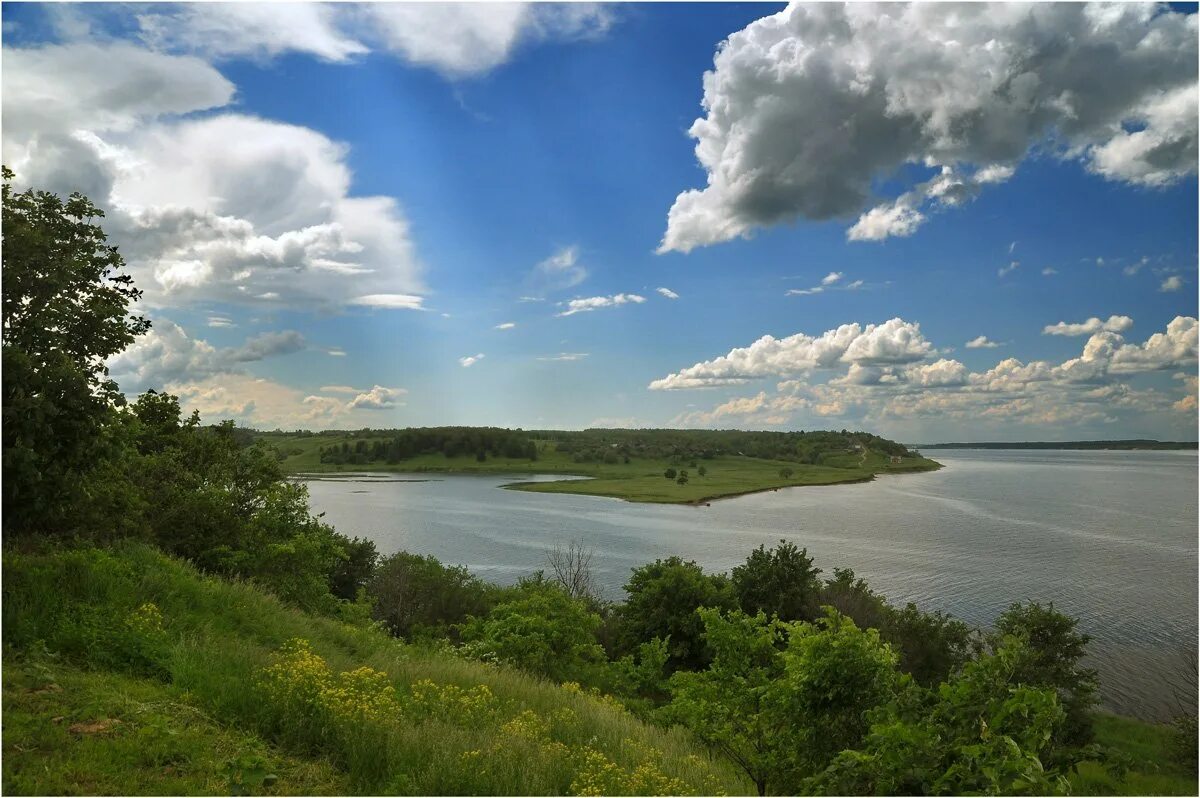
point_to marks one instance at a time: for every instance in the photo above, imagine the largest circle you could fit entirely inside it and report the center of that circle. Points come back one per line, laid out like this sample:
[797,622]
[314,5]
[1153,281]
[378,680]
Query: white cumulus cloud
[807,109]
[222,207]
[892,343]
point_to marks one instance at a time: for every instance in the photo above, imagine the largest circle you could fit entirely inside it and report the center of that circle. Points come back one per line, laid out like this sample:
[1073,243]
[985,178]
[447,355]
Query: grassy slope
[640,480]
[181,725]
[1152,771]
[179,730]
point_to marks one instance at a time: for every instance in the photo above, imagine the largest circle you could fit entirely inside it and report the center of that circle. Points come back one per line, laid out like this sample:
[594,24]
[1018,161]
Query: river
[1109,536]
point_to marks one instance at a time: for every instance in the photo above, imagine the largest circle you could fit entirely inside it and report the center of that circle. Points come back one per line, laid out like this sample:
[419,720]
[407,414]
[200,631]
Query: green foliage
[540,629]
[853,598]
[728,705]
[982,733]
[248,775]
[352,573]
[65,301]
[417,596]
[670,473]
[1054,653]
[932,645]
[662,599]
[780,582]
[782,699]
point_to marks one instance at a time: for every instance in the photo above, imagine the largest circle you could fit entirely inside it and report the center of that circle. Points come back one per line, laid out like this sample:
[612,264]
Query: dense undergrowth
[178,682]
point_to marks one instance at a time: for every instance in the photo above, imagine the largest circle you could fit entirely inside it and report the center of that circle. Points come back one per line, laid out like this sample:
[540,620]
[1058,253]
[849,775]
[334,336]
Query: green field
[640,480]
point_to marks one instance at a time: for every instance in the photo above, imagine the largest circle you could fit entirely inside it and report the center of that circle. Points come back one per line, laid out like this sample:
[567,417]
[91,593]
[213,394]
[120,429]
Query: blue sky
[332,211]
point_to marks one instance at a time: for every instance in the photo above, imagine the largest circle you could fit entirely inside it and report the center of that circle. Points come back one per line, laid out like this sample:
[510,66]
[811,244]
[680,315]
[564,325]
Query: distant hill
[1126,444]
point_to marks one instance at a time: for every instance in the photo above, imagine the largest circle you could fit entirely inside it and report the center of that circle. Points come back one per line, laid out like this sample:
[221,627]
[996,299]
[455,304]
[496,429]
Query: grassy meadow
[640,480]
[128,672]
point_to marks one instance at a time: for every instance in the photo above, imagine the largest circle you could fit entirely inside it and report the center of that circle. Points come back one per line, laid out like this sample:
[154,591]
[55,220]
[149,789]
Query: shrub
[417,596]
[543,630]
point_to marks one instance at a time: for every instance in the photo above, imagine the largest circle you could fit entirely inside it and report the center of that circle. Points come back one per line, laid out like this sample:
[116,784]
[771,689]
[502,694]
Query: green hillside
[128,672]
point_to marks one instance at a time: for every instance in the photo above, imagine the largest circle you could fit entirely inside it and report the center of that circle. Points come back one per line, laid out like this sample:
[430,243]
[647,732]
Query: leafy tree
[782,699]
[645,674]
[416,595]
[852,597]
[663,597]
[683,480]
[834,673]
[65,310]
[932,645]
[728,705]
[982,733]
[1054,653]
[670,473]
[354,571]
[542,630]
[786,473]
[702,471]
[781,581]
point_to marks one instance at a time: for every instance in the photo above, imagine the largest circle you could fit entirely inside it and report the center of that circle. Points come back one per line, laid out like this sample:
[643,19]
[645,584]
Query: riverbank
[643,480]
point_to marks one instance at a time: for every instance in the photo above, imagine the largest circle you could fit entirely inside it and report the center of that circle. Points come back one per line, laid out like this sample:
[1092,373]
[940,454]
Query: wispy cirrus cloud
[591,303]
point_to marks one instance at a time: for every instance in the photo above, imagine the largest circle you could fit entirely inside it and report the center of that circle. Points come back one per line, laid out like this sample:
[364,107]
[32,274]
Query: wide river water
[1109,537]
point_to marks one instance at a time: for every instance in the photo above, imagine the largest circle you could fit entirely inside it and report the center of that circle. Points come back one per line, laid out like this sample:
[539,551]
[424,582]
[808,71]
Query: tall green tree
[66,299]
[781,581]
[1053,659]
[663,597]
[781,700]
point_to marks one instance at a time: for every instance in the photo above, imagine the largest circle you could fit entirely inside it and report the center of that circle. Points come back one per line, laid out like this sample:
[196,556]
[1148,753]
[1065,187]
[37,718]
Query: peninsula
[647,465]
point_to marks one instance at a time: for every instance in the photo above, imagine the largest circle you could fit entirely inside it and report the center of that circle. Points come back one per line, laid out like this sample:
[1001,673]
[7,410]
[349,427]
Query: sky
[932,222]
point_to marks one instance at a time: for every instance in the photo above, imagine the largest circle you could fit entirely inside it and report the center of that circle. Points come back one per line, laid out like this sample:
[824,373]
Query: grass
[59,739]
[1152,770]
[187,684]
[640,480]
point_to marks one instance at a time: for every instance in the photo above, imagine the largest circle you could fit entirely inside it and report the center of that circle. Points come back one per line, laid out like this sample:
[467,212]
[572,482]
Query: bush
[1052,659]
[417,596]
[780,582]
[543,630]
[663,597]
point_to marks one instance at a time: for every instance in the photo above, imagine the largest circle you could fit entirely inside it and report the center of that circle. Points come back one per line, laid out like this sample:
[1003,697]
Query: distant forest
[1129,444]
[595,445]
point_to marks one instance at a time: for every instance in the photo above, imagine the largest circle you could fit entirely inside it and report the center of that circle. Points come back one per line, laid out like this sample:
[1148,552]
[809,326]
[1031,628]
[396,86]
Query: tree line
[398,446]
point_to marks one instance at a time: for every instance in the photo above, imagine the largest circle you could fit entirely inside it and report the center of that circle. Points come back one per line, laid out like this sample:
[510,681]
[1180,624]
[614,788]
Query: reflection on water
[1109,537]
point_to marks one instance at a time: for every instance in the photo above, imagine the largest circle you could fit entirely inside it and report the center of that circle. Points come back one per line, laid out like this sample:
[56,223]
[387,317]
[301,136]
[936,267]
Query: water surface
[1109,537]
